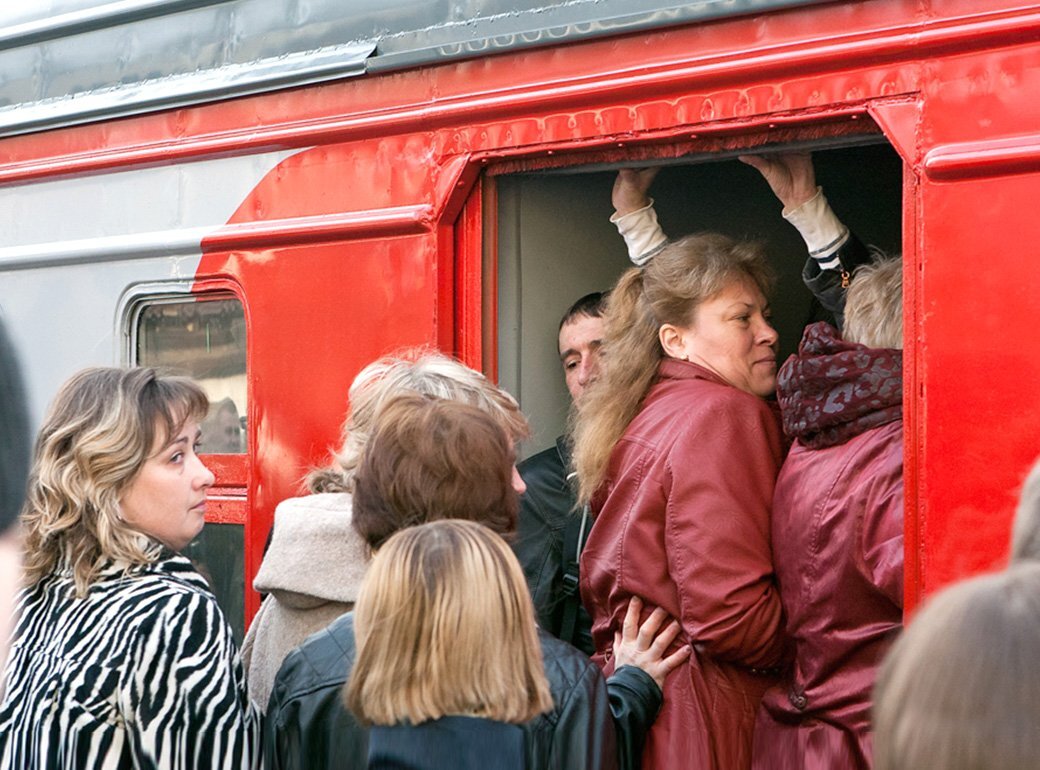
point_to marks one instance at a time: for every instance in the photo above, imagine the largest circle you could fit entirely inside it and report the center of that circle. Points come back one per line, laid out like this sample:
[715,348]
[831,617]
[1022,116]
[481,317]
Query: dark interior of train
[555,243]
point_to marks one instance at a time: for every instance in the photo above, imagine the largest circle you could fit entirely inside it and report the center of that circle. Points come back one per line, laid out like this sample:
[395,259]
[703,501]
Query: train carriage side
[285,239]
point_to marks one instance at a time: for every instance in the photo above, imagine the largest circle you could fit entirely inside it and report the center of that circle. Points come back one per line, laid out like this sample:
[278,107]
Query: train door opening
[555,243]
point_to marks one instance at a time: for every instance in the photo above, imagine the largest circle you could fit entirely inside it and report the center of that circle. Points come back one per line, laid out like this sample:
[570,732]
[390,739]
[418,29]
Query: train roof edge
[78,61]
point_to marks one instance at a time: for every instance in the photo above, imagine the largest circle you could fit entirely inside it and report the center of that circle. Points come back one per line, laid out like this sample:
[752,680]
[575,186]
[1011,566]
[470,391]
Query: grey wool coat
[312,572]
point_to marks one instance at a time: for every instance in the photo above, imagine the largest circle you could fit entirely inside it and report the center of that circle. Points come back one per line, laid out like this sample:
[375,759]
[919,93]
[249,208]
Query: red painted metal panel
[469,281]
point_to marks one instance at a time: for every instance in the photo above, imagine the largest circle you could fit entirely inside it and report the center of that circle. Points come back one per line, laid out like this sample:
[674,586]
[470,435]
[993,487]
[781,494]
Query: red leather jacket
[838,550]
[682,520]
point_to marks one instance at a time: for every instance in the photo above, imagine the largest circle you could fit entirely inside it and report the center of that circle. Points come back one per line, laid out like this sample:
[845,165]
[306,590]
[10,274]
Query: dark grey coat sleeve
[635,700]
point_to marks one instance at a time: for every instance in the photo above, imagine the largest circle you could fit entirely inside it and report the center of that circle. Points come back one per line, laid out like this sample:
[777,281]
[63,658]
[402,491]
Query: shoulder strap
[573,542]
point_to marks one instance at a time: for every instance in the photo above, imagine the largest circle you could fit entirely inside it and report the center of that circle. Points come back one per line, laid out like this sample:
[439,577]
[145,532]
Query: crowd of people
[694,575]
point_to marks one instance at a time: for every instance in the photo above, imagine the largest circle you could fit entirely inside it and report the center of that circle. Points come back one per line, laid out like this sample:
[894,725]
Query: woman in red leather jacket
[677,453]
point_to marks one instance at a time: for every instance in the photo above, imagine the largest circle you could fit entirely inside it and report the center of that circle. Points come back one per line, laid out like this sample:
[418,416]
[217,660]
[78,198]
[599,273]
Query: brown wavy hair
[665,291]
[433,459]
[99,431]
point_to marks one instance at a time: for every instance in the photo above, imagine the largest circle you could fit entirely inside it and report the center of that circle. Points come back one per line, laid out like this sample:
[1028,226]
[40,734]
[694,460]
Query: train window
[555,244]
[203,337]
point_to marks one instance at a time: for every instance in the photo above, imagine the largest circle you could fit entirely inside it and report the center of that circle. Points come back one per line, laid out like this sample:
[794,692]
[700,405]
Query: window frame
[227,499]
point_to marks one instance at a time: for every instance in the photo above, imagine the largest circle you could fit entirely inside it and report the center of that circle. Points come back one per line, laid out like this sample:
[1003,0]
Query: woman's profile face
[731,335]
[167,500]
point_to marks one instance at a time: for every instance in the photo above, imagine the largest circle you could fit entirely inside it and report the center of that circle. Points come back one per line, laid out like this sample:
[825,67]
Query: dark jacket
[837,535]
[682,520]
[548,510]
[308,728]
[829,287]
[451,743]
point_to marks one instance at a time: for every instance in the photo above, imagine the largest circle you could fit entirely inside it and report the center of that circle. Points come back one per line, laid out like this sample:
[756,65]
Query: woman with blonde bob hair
[677,453]
[121,656]
[958,690]
[448,661]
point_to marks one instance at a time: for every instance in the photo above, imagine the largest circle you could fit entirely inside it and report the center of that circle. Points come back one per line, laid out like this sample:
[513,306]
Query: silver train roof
[64,62]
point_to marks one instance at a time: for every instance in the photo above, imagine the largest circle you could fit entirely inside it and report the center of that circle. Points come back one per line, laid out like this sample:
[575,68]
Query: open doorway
[555,243]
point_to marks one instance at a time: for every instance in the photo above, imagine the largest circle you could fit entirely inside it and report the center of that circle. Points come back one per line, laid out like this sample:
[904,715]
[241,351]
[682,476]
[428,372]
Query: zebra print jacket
[141,673]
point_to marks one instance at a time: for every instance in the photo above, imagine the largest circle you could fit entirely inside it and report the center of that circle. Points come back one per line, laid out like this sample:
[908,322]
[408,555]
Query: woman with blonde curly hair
[448,662]
[121,656]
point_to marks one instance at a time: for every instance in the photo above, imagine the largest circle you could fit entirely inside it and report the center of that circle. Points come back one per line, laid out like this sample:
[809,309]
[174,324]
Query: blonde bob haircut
[667,290]
[420,371]
[101,428]
[874,305]
[959,690]
[445,626]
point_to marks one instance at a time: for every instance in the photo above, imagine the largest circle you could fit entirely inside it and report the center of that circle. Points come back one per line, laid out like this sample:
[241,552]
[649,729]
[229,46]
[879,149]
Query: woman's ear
[673,341]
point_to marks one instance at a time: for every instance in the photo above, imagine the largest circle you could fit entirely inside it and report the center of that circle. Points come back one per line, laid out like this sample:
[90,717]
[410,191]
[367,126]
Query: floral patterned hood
[832,390]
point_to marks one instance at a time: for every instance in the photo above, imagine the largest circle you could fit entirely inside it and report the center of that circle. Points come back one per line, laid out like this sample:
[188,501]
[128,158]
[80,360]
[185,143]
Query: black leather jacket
[547,509]
[308,728]
[829,286]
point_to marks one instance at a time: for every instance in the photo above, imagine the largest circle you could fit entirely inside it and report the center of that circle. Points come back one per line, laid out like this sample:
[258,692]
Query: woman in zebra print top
[121,657]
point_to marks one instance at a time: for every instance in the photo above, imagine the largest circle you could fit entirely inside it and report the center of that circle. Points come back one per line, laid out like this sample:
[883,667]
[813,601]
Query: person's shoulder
[334,502]
[171,578]
[323,661]
[546,462]
[565,666]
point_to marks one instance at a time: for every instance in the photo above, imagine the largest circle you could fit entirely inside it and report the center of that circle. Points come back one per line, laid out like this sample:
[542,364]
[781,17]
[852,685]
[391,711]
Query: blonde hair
[445,626]
[419,371]
[874,304]
[666,291]
[1025,533]
[102,427]
[959,689]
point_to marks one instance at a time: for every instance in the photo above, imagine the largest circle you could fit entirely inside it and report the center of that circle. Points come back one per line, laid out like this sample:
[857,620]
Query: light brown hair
[419,371]
[874,304]
[445,626]
[959,690]
[101,428]
[431,459]
[666,291]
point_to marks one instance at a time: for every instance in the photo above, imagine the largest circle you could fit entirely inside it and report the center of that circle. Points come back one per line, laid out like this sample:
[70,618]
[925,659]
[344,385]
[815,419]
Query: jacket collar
[675,369]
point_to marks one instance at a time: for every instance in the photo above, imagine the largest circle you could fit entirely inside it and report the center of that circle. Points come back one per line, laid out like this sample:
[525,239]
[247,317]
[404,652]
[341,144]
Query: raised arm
[833,251]
[634,213]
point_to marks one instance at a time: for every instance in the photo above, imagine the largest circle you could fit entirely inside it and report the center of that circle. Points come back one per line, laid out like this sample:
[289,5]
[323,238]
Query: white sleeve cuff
[820,228]
[643,235]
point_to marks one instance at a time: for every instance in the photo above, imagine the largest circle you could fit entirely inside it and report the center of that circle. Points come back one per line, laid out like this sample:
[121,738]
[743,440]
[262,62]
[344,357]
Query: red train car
[271,195]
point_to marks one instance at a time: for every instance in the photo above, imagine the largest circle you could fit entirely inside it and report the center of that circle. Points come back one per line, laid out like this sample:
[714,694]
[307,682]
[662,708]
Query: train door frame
[894,119]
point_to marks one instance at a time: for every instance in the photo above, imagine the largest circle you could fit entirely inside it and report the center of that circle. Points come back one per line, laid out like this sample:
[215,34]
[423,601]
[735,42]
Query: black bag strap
[573,541]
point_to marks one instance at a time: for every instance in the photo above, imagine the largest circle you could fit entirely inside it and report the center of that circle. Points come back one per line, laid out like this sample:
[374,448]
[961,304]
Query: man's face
[580,341]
